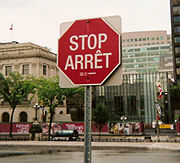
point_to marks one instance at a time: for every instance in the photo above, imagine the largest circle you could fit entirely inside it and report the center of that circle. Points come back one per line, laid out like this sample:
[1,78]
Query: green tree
[15,89]
[51,94]
[100,116]
[75,99]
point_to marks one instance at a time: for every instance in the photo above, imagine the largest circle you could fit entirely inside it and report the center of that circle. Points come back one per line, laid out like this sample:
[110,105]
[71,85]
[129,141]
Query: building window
[5,117]
[118,104]
[177,50]
[23,117]
[177,60]
[157,38]
[176,10]
[44,70]
[177,39]
[177,29]
[161,37]
[176,19]
[25,69]
[8,70]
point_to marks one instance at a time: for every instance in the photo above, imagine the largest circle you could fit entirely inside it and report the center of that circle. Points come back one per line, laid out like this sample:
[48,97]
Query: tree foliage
[51,94]
[49,91]
[15,89]
[75,99]
[100,116]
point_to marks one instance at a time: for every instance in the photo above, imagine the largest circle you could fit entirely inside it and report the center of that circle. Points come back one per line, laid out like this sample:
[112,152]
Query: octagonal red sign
[89,51]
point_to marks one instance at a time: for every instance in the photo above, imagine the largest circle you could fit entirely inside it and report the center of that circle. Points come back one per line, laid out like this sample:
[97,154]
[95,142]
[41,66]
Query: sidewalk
[45,146]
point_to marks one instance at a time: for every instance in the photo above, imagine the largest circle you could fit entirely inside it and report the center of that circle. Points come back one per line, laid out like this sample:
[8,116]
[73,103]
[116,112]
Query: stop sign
[88,52]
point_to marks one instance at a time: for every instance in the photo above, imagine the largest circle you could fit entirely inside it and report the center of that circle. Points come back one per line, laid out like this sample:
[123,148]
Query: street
[98,156]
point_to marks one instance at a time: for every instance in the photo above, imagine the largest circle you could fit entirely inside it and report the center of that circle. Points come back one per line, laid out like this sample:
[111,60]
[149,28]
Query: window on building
[177,39]
[153,48]
[168,59]
[177,29]
[137,50]
[44,70]
[144,39]
[130,50]
[140,54]
[131,39]
[161,37]
[8,70]
[157,38]
[141,60]
[176,19]
[131,105]
[23,117]
[45,116]
[177,60]
[5,117]
[118,103]
[176,10]
[25,69]
[153,59]
[177,50]
[165,47]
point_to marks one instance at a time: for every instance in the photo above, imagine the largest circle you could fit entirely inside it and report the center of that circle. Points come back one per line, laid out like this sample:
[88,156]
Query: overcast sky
[38,21]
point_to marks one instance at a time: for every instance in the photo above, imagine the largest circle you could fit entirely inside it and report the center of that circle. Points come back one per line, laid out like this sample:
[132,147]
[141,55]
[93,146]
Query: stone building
[28,58]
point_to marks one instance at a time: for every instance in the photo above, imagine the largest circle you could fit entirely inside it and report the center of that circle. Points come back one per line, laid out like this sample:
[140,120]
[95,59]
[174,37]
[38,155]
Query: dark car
[67,134]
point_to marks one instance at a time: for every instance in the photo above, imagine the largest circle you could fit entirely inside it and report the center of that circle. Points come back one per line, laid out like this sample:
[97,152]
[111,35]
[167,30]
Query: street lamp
[123,119]
[36,107]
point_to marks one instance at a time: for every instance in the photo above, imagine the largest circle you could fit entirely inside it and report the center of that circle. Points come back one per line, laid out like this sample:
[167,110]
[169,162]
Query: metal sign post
[87,125]
[86,57]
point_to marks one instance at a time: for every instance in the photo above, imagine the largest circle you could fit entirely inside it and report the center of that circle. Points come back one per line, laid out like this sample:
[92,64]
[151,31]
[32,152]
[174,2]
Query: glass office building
[146,58]
[147,51]
[136,97]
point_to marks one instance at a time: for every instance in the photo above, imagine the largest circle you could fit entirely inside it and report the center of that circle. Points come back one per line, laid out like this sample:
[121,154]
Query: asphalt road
[106,156]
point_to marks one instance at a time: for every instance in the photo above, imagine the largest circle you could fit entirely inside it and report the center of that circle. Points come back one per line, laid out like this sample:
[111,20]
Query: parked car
[66,134]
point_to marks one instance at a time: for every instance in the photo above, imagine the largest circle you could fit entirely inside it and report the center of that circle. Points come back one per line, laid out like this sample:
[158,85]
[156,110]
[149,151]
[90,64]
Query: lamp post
[123,119]
[36,107]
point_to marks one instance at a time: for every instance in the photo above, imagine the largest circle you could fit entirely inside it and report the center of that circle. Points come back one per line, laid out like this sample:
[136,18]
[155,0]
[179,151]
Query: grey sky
[38,21]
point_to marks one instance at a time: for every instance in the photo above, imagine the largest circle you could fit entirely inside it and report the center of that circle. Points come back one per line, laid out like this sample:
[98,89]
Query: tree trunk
[50,124]
[11,122]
